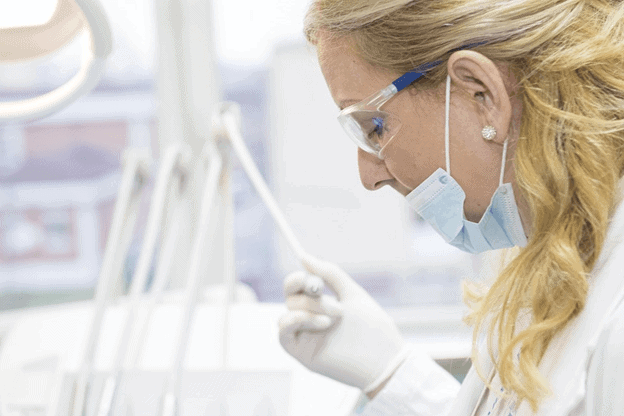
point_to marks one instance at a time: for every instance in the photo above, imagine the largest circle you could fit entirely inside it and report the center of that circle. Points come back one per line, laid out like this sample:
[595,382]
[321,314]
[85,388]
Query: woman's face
[418,148]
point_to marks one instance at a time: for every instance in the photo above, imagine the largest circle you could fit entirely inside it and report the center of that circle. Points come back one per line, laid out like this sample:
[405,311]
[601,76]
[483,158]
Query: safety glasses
[373,129]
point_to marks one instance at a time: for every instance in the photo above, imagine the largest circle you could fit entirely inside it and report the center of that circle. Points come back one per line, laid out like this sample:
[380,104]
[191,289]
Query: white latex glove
[350,339]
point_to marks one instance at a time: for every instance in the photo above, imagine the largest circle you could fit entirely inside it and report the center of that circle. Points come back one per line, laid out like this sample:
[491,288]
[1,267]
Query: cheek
[414,157]
[418,149]
[408,166]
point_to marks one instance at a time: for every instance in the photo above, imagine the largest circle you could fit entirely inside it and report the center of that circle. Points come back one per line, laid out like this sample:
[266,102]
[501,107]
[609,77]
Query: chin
[474,217]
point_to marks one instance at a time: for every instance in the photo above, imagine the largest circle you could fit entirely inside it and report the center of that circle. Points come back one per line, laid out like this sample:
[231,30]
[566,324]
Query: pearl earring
[488,132]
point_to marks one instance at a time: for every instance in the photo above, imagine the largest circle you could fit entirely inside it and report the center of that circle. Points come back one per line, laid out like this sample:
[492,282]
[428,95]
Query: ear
[478,76]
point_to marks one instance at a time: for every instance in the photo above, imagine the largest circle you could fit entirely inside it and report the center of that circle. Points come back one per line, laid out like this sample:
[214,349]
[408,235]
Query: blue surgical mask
[439,200]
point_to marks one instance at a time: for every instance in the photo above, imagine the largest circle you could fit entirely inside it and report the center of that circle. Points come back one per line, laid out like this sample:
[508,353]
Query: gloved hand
[350,339]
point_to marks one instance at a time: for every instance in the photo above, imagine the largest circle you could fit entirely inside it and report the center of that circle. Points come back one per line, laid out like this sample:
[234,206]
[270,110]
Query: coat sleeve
[420,387]
[605,376]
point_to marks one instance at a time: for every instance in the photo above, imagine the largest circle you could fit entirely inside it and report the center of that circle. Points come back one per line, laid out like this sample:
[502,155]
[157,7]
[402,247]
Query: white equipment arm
[198,252]
[230,118]
[135,175]
[174,172]
[17,44]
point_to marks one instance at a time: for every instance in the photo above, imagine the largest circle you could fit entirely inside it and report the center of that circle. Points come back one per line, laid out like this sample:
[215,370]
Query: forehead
[347,76]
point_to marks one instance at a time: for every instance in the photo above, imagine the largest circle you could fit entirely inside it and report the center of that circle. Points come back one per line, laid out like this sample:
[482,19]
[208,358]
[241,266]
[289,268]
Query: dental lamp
[27,43]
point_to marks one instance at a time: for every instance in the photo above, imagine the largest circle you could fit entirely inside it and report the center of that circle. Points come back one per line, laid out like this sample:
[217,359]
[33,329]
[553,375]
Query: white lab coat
[584,363]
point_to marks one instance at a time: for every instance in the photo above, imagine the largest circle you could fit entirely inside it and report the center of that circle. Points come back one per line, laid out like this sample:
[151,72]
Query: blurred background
[59,176]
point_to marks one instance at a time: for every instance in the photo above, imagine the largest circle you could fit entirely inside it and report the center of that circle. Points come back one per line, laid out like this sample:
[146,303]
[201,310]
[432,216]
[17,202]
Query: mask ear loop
[502,172]
[446,124]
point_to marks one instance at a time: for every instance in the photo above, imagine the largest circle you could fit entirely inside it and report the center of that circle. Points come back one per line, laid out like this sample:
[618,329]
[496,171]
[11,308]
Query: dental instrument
[230,130]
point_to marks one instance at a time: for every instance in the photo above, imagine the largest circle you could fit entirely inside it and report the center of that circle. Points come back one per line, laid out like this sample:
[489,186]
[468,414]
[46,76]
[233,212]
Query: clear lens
[371,130]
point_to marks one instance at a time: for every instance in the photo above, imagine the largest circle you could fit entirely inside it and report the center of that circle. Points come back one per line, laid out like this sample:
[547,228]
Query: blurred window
[35,235]
[58,227]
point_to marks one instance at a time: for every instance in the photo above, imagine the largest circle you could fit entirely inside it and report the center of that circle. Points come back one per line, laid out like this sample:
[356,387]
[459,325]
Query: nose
[373,171]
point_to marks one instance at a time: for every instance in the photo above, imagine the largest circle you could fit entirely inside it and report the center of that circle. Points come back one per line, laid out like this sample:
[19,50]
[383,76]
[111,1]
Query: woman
[524,100]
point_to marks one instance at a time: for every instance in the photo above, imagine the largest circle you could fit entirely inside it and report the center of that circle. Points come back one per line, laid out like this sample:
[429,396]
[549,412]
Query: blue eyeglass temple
[410,77]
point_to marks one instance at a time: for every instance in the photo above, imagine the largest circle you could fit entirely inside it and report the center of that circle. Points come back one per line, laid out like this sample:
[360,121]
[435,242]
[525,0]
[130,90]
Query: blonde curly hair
[568,56]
